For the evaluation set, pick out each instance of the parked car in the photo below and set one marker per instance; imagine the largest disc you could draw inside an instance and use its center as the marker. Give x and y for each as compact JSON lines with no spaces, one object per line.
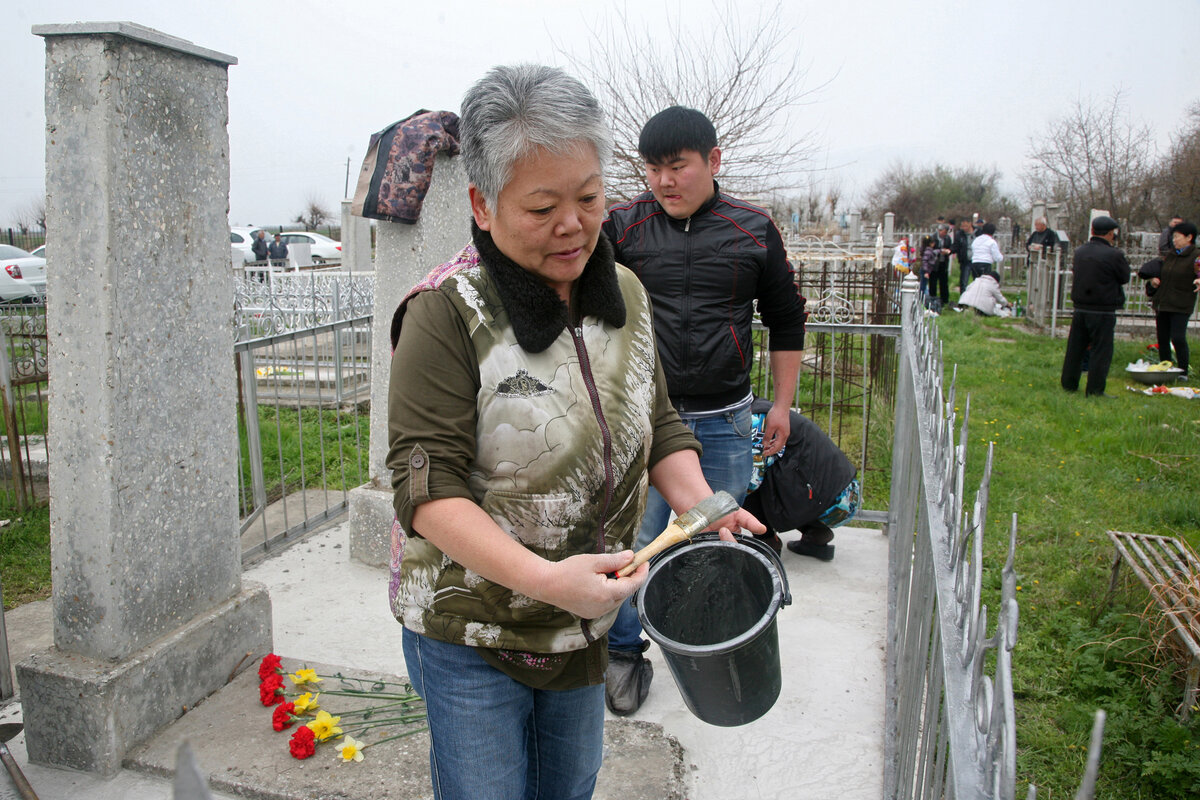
{"x":322,"y":247}
{"x":39,"y":251}
{"x":22,"y":274}
{"x":240,"y":240}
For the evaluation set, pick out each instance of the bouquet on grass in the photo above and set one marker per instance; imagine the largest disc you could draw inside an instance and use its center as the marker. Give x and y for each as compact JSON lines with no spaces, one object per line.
{"x":376,"y":710}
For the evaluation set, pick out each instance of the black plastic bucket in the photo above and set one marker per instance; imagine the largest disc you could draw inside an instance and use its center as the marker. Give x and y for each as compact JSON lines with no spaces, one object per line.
{"x":711,"y":606}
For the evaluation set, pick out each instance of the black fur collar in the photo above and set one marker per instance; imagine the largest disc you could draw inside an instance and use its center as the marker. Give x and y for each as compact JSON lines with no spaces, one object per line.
{"x":537,"y":313}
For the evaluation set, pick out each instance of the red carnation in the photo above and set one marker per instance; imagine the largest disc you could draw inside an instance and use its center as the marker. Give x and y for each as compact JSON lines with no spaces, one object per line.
{"x":268,"y":690}
{"x":270,"y":666}
{"x":303,"y":743}
{"x":282,"y":717}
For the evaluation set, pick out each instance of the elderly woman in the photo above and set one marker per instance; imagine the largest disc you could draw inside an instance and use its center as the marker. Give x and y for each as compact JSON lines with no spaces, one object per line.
{"x":527,"y":410}
{"x":1174,"y":297}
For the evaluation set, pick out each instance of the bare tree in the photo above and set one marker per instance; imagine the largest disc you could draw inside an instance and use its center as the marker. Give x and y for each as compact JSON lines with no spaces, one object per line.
{"x":1178,"y":180}
{"x":1094,"y":157}
{"x":745,"y":75}
{"x":314,"y":215}
{"x":32,"y":217}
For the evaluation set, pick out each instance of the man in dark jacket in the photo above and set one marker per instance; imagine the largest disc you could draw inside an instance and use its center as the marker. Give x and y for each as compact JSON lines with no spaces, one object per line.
{"x":259,"y":246}
{"x":707,"y":260}
{"x":1099,"y":270}
{"x":810,"y":487}
{"x":962,"y":251}
{"x":1043,"y":239}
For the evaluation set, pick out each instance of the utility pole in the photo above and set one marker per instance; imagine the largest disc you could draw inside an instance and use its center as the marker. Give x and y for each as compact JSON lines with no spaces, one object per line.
{"x":346,"y":190}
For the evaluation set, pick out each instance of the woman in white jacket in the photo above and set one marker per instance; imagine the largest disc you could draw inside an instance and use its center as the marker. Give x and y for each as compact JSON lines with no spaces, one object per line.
{"x":985,"y":253}
{"x":984,"y":295}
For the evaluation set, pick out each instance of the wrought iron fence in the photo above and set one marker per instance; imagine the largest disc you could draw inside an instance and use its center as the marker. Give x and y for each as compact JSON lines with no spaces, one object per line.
{"x":24,"y":384}
{"x":950,"y":728}
{"x":303,"y":423}
{"x":271,"y":302}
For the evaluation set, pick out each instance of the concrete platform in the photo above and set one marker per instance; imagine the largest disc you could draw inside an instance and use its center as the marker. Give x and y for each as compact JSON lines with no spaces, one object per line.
{"x":823,"y":738}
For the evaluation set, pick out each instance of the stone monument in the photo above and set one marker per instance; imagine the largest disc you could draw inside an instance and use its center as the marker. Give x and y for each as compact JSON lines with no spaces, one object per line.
{"x":150,"y":614}
{"x":403,"y":255}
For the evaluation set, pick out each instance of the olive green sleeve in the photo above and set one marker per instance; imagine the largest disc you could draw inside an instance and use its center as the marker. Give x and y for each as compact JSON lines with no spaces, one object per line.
{"x":432,"y":394}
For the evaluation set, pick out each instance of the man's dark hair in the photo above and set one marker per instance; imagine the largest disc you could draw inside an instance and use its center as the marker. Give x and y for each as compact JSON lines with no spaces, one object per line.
{"x":952,"y":222}
{"x":673,"y":130}
{"x":988,"y":228}
{"x":1186,"y":228}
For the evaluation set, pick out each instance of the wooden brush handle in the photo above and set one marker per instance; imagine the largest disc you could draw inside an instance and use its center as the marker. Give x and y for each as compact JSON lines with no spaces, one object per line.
{"x":672,"y":535}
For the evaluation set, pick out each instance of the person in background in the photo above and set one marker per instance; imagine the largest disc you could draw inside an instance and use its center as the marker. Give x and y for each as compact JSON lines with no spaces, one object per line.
{"x":259,"y":246}
{"x":939,"y":278}
{"x":708,"y":262}
{"x":1174,"y":297}
{"x":962,"y":251}
{"x":1043,"y":239}
{"x":985,"y":253}
{"x":928,"y":261}
{"x":810,"y":486}
{"x":984,"y":295}
{"x":1099,"y":271}
{"x":527,"y":409}
{"x":1165,"y":240}
{"x":278,"y":252}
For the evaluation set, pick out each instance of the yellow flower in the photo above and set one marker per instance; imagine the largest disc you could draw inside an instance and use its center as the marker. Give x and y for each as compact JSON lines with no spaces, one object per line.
{"x":303,"y":676}
{"x":325,"y":726}
{"x":351,"y":749}
{"x":306,"y":702}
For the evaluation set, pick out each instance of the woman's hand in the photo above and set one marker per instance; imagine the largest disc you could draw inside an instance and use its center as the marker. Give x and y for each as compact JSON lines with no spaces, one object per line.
{"x":1155,"y":282}
{"x":581,"y":584}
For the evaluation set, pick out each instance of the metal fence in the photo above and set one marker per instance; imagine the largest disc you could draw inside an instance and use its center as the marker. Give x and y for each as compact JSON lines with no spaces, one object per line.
{"x":950,"y":729}
{"x":24,"y":384}
{"x":1048,"y":293}
{"x":304,"y":371}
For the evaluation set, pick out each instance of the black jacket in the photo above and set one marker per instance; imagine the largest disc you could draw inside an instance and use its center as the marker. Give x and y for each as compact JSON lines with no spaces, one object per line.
{"x":259,"y":247}
{"x":1048,"y":239}
{"x":798,"y":487}
{"x":703,"y":275}
{"x":1099,"y":270}
{"x":962,"y":246}
{"x":1176,"y":294}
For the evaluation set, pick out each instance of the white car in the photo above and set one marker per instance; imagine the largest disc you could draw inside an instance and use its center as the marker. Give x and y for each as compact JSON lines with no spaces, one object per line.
{"x":22,"y":274}
{"x":39,"y":251}
{"x":240,"y":240}
{"x":322,"y":247}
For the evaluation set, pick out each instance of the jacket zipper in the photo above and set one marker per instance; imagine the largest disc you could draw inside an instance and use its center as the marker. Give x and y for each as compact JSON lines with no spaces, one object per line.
{"x":585,"y":368}
{"x":685,"y":310}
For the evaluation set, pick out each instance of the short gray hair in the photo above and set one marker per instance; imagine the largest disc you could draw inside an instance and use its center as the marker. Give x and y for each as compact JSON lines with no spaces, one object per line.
{"x":513,"y":110}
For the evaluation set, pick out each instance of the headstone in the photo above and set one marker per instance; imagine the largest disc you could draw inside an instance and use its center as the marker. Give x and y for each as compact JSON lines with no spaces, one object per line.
{"x":356,"y":241}
{"x":855,"y":232}
{"x":889,"y":227}
{"x":404,"y":254}
{"x":150,"y":614}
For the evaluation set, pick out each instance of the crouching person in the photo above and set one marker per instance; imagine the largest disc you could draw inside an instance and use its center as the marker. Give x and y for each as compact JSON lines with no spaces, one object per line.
{"x":809,"y":486}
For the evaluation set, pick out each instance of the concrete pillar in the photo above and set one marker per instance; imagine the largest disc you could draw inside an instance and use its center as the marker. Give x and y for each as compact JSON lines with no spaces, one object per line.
{"x":356,"y":241}
{"x":1039,"y":211}
{"x":889,"y":227}
{"x":404,"y":254}
{"x":150,"y":615}
{"x":855,"y":232}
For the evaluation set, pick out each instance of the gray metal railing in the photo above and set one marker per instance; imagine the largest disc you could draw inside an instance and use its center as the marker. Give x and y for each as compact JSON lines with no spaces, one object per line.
{"x":301,"y":406}
{"x":950,"y":730}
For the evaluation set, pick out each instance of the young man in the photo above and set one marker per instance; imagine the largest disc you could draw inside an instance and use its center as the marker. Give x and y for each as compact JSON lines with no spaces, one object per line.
{"x":705,"y":259}
{"x":1099,"y":270}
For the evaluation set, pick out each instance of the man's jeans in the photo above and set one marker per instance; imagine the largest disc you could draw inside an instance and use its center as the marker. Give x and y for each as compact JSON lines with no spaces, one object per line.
{"x":493,"y":738}
{"x":727,"y":463}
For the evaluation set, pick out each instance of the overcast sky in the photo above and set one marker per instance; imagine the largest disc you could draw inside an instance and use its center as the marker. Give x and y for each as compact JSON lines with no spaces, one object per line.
{"x":923,"y":81}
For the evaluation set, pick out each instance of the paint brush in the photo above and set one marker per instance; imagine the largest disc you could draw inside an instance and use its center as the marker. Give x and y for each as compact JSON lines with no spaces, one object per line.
{"x":684,"y":527}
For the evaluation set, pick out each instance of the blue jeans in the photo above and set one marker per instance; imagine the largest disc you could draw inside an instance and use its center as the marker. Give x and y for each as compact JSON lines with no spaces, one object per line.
{"x":493,"y":738}
{"x":727,"y":463}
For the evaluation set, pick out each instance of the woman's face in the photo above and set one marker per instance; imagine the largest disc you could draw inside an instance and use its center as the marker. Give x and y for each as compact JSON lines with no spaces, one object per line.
{"x":548,"y":216}
{"x":1182,"y":240}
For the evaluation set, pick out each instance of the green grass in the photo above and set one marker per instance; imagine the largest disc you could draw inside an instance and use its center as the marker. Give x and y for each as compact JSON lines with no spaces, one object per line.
{"x":1073,"y":467}
{"x":308,"y":441}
